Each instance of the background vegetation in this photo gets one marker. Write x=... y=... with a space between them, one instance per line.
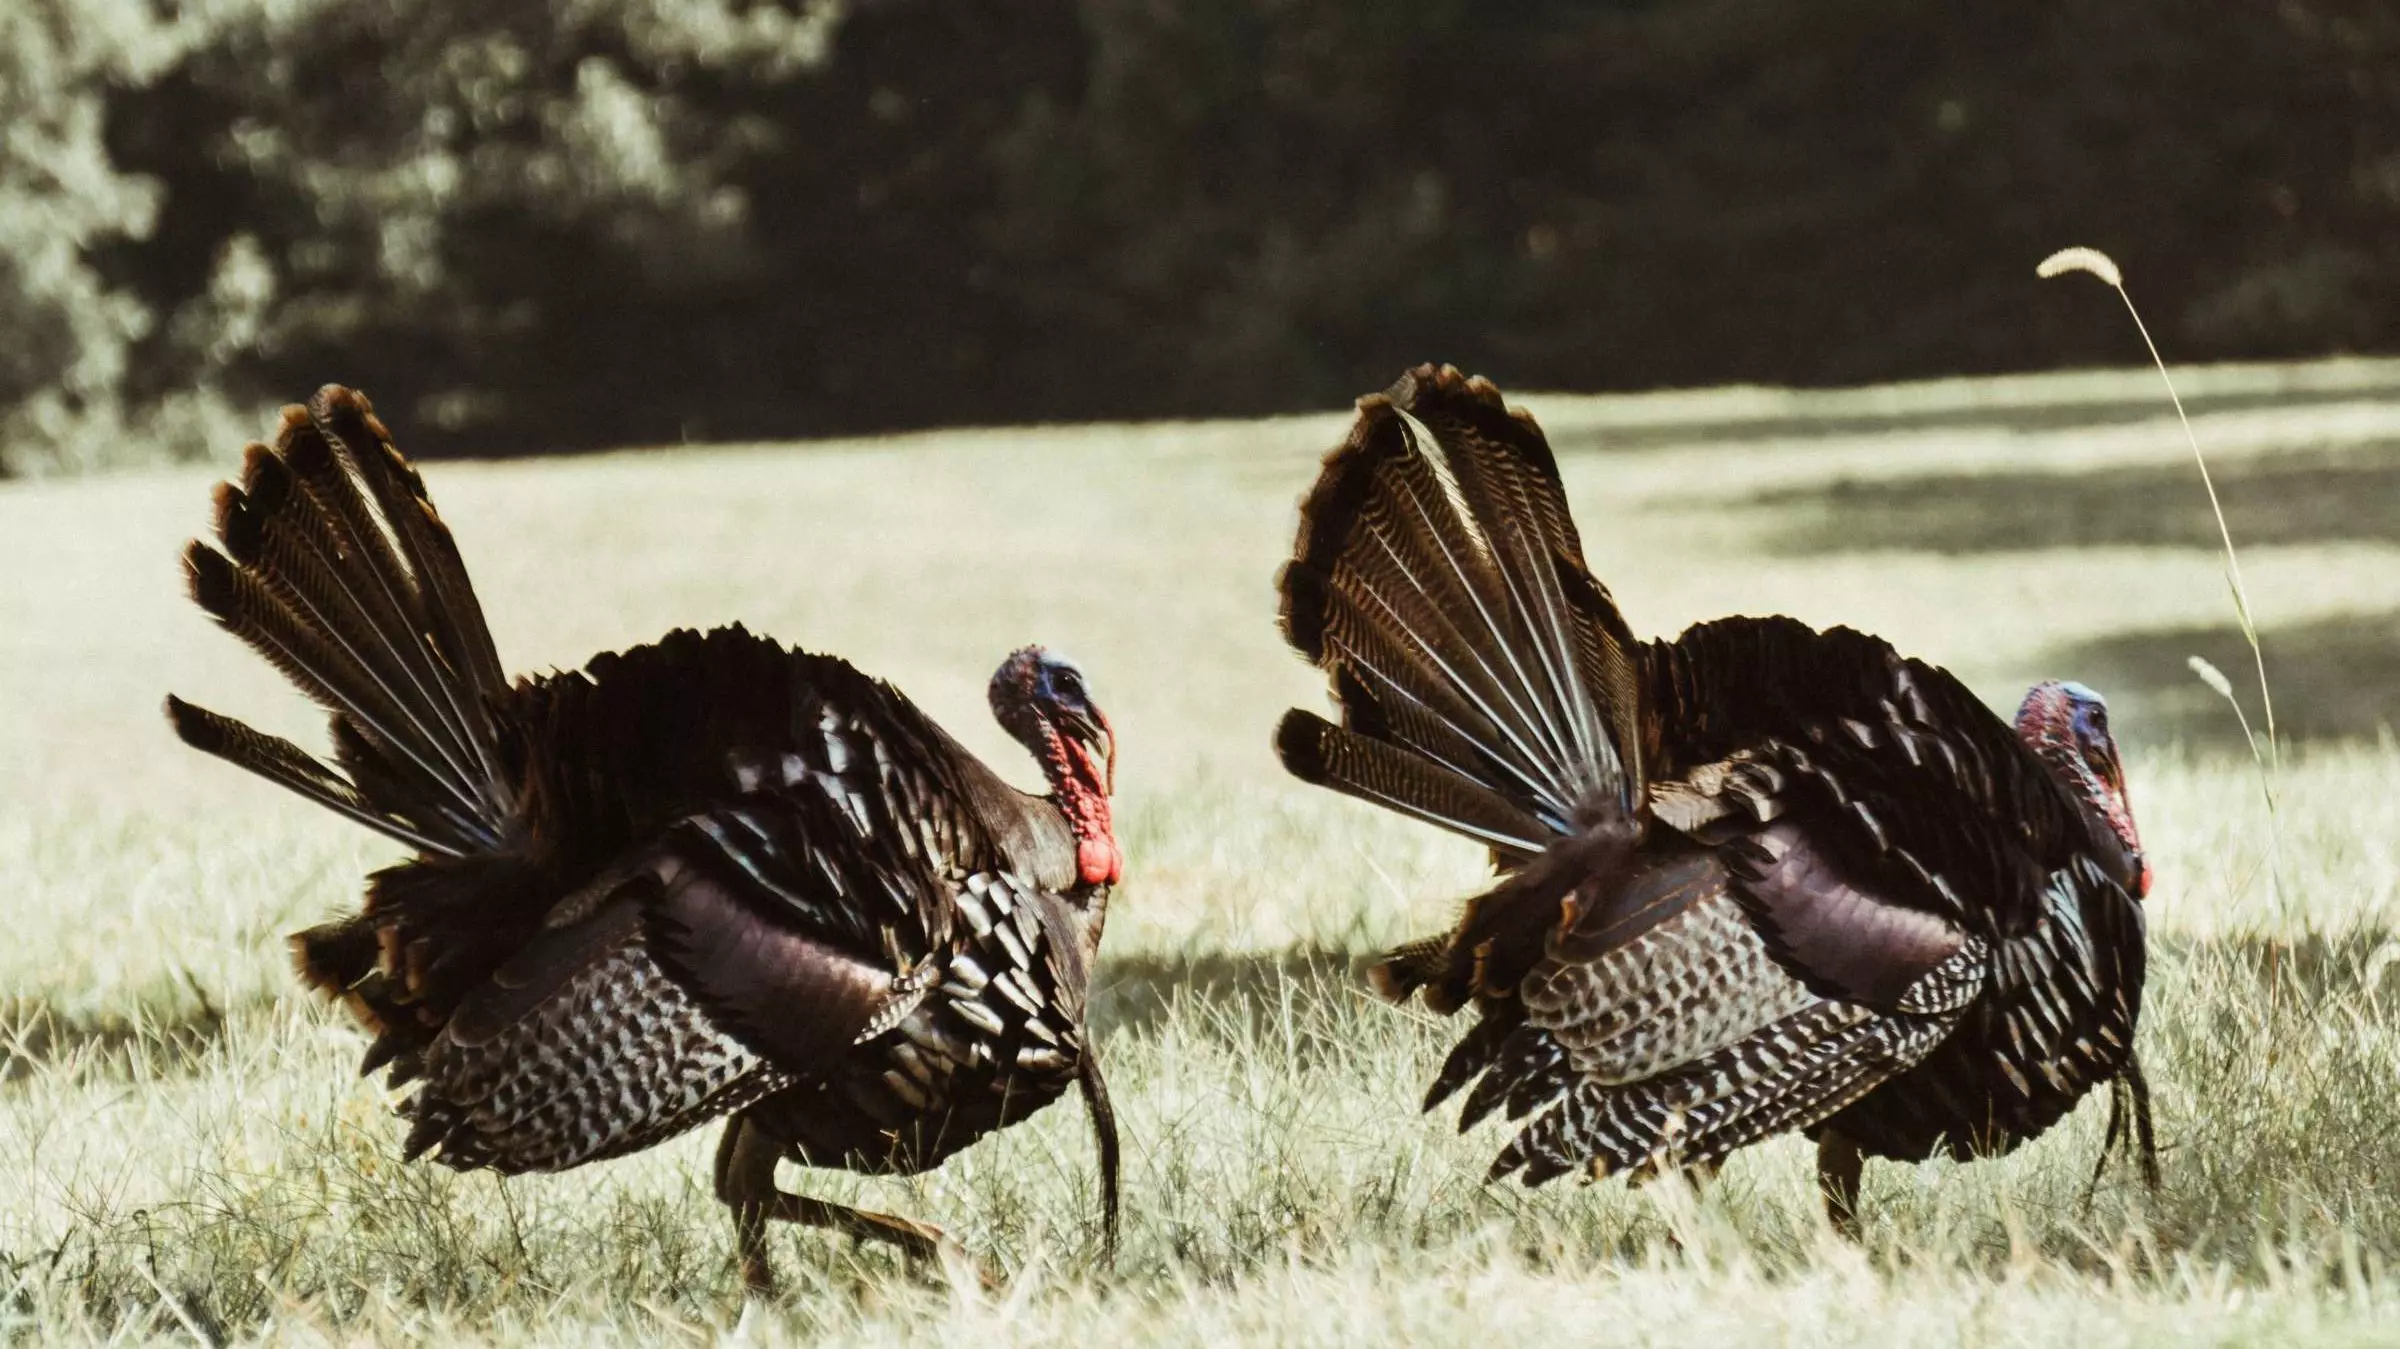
x=185 y=1152
x=539 y=224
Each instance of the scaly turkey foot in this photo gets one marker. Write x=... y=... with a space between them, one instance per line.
x=746 y=1183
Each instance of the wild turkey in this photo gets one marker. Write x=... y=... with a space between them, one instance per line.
x=1757 y=879
x=707 y=877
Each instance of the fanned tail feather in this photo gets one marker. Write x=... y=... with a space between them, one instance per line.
x=336 y=568
x=1487 y=684
x=1317 y=751
x=287 y=765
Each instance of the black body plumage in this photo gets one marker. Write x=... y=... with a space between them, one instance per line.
x=1756 y=879
x=705 y=877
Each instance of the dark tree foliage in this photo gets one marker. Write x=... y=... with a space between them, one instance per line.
x=542 y=224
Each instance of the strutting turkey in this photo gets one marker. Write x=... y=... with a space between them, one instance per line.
x=707 y=877
x=1756 y=879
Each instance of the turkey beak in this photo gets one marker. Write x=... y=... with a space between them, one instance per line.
x=2120 y=813
x=1090 y=727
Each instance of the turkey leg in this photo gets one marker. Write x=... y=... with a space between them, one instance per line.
x=1696 y=1177
x=1839 y=1163
x=745 y=1178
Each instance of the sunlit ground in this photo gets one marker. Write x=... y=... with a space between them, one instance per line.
x=184 y=1150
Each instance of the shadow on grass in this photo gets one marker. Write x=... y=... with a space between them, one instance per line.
x=2334 y=679
x=1130 y=993
x=2314 y=969
x=2134 y=408
x=35 y=1037
x=2312 y=496
x=1138 y=992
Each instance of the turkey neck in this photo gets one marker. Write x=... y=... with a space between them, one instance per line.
x=1079 y=789
x=2054 y=744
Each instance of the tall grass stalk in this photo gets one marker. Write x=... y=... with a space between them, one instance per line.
x=2270 y=763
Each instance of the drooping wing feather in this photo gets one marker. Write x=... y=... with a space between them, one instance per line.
x=995 y=1031
x=788 y=994
x=2056 y=1018
x=808 y=909
x=1659 y=1026
x=579 y=1047
x=1841 y=939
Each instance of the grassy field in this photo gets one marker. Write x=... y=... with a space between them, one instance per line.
x=184 y=1152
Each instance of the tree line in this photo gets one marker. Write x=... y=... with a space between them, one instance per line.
x=532 y=225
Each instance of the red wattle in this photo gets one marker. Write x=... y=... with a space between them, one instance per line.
x=1097 y=861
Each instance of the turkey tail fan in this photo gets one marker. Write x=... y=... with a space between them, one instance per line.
x=336 y=568
x=287 y=765
x=1486 y=681
x=1373 y=769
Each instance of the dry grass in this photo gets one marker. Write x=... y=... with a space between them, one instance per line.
x=184 y=1152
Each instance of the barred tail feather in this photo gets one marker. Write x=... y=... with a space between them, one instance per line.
x=287 y=765
x=1510 y=486
x=1404 y=969
x=466 y=639
x=299 y=523
x=1439 y=580
x=246 y=605
x=1317 y=751
x=338 y=571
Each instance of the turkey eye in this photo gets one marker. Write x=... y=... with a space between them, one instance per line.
x=1067 y=684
